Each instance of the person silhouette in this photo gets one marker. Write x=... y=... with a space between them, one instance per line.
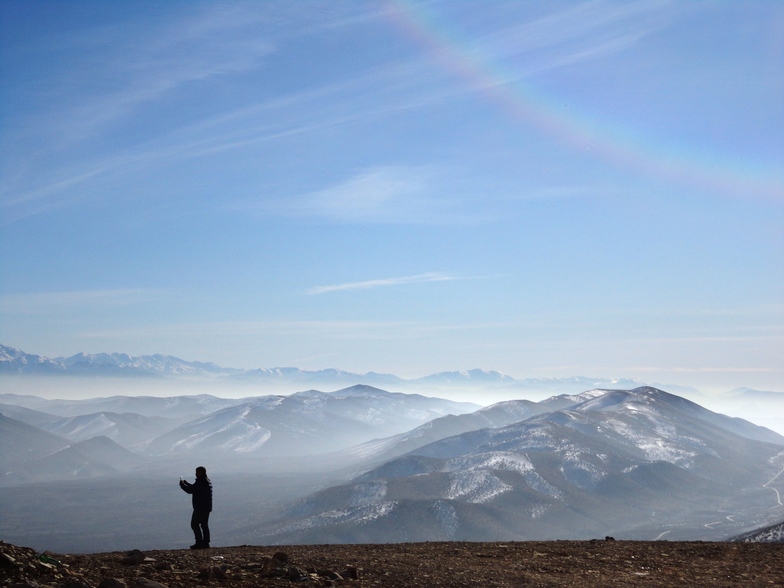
x=201 y=497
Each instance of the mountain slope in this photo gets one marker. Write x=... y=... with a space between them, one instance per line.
x=639 y=463
x=26 y=415
x=496 y=415
x=505 y=413
x=98 y=456
x=770 y=534
x=30 y=454
x=22 y=442
x=126 y=429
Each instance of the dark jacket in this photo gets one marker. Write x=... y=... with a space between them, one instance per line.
x=201 y=493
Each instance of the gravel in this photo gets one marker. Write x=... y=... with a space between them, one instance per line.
x=583 y=564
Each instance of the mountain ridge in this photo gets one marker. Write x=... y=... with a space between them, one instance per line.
x=638 y=464
x=597 y=464
x=17 y=362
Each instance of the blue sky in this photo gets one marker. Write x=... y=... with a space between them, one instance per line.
x=541 y=188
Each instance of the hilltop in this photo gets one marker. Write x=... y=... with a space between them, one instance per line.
x=552 y=564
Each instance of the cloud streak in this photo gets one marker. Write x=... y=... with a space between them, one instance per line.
x=203 y=45
x=380 y=194
x=358 y=99
x=383 y=283
x=389 y=194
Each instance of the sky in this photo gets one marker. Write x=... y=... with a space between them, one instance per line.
x=547 y=189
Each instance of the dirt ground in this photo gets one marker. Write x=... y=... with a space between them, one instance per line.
x=583 y=564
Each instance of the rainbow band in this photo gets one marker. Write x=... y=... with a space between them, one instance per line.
x=606 y=141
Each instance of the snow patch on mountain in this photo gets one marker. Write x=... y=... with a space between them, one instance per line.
x=367 y=493
x=581 y=473
x=520 y=438
x=243 y=435
x=539 y=510
x=586 y=396
x=267 y=402
x=539 y=484
x=496 y=460
x=371 y=448
x=476 y=486
x=247 y=442
x=446 y=515
x=87 y=427
x=360 y=515
x=653 y=448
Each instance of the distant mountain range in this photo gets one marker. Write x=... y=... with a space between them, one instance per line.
x=230 y=431
x=15 y=361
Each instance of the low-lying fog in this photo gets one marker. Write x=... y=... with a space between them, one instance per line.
x=763 y=408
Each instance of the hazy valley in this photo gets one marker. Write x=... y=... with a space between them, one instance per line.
x=365 y=465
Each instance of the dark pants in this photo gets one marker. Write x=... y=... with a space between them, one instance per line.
x=200 y=526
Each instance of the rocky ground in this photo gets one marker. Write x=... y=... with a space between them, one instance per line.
x=583 y=564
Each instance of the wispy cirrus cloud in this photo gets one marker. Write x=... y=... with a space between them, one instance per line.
x=380 y=194
x=364 y=97
x=387 y=194
x=385 y=282
x=588 y=29
x=140 y=66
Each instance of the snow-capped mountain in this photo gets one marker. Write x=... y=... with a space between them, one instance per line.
x=14 y=361
x=290 y=376
x=640 y=463
x=480 y=377
x=121 y=364
x=287 y=379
